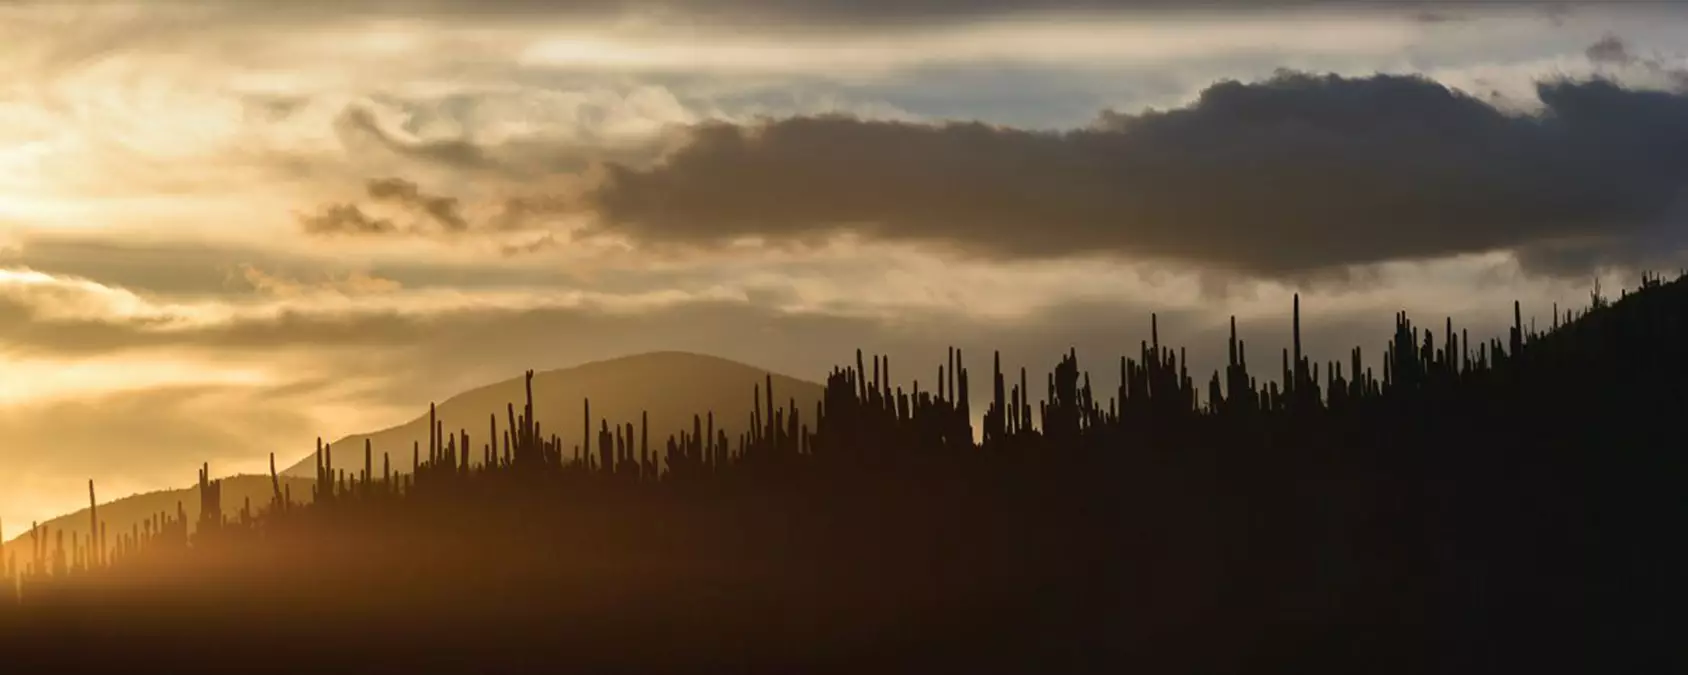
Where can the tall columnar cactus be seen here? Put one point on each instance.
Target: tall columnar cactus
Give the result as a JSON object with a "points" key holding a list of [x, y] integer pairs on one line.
{"points": [[36, 535], [275, 485], [1025, 403], [948, 385], [1517, 337], [511, 437], [463, 454], [861, 384], [606, 448], [769, 390], [93, 517], [210, 501], [996, 417], [647, 466]]}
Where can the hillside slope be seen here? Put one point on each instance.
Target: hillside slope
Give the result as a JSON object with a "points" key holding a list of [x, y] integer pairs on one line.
{"points": [[671, 386]]}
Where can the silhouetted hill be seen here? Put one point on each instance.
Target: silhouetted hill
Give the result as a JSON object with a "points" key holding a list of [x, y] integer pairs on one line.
{"points": [[671, 386], [120, 515]]}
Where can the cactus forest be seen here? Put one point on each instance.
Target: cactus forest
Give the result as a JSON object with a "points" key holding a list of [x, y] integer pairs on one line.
{"points": [[1449, 503]]}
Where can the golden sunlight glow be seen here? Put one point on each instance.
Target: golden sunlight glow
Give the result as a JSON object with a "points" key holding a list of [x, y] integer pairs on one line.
{"points": [[36, 380]]}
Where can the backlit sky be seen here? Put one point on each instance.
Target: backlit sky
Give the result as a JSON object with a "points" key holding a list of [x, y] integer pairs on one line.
{"points": [[226, 229]]}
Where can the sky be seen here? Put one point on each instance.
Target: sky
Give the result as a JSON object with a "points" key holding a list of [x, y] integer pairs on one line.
{"points": [[228, 228]]}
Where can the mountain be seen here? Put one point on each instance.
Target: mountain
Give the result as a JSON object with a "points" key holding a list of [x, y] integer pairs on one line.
{"points": [[122, 514], [670, 386]]}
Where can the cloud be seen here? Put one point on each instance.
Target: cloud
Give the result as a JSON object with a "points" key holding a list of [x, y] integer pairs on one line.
{"points": [[441, 214], [1294, 174], [336, 219], [1434, 17], [442, 211], [515, 134], [359, 129], [61, 317], [517, 212], [543, 243], [1610, 49], [353, 283]]}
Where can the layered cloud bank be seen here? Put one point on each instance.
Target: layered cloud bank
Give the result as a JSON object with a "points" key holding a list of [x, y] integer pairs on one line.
{"points": [[1293, 174]]}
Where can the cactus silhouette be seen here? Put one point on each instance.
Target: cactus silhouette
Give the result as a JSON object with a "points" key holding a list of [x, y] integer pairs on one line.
{"points": [[1319, 496]]}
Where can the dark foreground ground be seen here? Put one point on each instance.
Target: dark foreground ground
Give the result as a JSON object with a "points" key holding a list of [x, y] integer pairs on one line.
{"points": [[1173, 566]]}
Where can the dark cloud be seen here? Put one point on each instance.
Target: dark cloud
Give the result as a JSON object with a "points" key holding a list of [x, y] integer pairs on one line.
{"points": [[441, 214], [519, 212], [1282, 177], [1437, 17], [272, 108], [1657, 249], [442, 210], [1612, 51], [1609, 49], [547, 242], [335, 219]]}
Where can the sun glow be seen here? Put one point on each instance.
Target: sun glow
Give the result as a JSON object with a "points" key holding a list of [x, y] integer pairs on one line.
{"points": [[31, 380]]}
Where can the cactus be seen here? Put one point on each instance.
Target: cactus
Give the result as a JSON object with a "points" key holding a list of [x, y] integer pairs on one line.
{"points": [[93, 515]]}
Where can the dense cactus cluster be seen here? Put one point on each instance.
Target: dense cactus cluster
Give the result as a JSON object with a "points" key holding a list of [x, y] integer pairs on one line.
{"points": [[862, 417], [1301, 428]]}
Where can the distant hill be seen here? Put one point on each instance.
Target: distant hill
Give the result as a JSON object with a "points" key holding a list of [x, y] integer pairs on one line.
{"points": [[120, 515], [671, 386]]}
